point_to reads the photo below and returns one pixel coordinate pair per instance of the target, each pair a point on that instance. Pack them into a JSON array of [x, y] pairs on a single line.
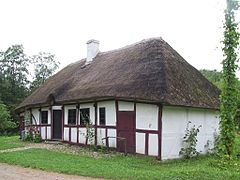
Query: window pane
[[84, 116], [102, 115], [72, 116], [44, 116]]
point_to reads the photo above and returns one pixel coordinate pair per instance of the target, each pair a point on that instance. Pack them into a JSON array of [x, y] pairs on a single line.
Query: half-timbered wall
[[147, 119], [109, 129], [35, 118], [159, 131]]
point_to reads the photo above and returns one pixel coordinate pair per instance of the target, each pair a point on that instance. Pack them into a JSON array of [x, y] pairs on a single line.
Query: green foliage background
[[16, 82], [228, 108]]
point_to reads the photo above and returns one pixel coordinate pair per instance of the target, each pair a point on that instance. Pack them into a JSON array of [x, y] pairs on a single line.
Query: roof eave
[[106, 98]]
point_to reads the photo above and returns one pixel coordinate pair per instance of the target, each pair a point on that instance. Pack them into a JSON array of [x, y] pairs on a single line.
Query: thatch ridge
[[150, 70]]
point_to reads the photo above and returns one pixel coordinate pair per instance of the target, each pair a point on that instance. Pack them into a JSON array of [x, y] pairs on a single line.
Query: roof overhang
[[107, 98]]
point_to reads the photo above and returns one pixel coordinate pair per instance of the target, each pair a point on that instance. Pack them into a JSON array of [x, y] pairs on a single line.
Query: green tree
[[14, 64], [238, 106], [44, 67], [229, 92], [13, 77], [6, 123], [14, 74], [216, 78], [213, 76]]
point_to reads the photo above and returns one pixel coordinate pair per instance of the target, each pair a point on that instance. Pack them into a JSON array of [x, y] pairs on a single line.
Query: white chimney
[[92, 49]]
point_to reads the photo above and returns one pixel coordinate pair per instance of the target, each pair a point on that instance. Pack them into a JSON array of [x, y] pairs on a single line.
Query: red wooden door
[[126, 130]]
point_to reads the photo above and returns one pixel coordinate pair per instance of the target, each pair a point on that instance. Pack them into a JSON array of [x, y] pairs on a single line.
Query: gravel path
[[10, 172], [15, 149], [61, 147]]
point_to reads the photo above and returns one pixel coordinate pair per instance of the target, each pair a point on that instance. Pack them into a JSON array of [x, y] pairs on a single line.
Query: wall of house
[[125, 106], [44, 129], [36, 115], [92, 111], [110, 126], [110, 112], [109, 129], [77, 134], [27, 117], [72, 131], [67, 130], [146, 116], [147, 129], [49, 114], [174, 123]]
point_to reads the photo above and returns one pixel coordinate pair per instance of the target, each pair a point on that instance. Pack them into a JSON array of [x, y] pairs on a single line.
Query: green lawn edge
[[10, 142], [120, 167]]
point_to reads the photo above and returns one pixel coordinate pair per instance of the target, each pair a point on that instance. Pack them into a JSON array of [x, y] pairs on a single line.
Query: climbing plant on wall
[[229, 92]]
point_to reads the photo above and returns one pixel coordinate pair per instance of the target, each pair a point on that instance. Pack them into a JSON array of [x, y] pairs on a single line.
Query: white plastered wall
[[146, 116], [147, 119], [49, 122], [153, 145], [87, 105], [110, 121], [43, 132], [36, 120], [140, 143], [49, 114], [110, 112], [91, 113], [82, 131], [66, 108], [112, 141], [82, 136], [125, 106], [174, 124], [48, 132], [66, 129], [101, 134], [35, 113], [56, 107], [74, 135], [66, 134]]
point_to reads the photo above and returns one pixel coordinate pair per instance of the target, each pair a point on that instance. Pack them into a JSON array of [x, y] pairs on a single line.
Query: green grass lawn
[[124, 167], [130, 167], [9, 142]]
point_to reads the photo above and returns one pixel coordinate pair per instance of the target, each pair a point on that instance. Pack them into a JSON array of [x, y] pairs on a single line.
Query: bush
[[37, 138], [33, 136], [211, 147], [190, 142], [6, 123]]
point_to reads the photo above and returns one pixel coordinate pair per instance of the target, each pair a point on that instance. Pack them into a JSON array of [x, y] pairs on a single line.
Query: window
[[72, 116], [102, 115], [44, 116], [84, 116]]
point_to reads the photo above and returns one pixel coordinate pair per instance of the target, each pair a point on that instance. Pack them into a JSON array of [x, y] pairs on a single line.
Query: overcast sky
[[62, 27]]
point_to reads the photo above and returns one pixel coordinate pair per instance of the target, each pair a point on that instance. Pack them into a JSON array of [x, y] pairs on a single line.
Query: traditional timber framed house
[[143, 93]]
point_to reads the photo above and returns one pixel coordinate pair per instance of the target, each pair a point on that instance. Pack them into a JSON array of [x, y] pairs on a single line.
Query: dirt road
[[9, 172]]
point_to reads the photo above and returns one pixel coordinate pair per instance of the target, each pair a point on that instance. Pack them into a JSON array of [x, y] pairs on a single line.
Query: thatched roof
[[150, 71]]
